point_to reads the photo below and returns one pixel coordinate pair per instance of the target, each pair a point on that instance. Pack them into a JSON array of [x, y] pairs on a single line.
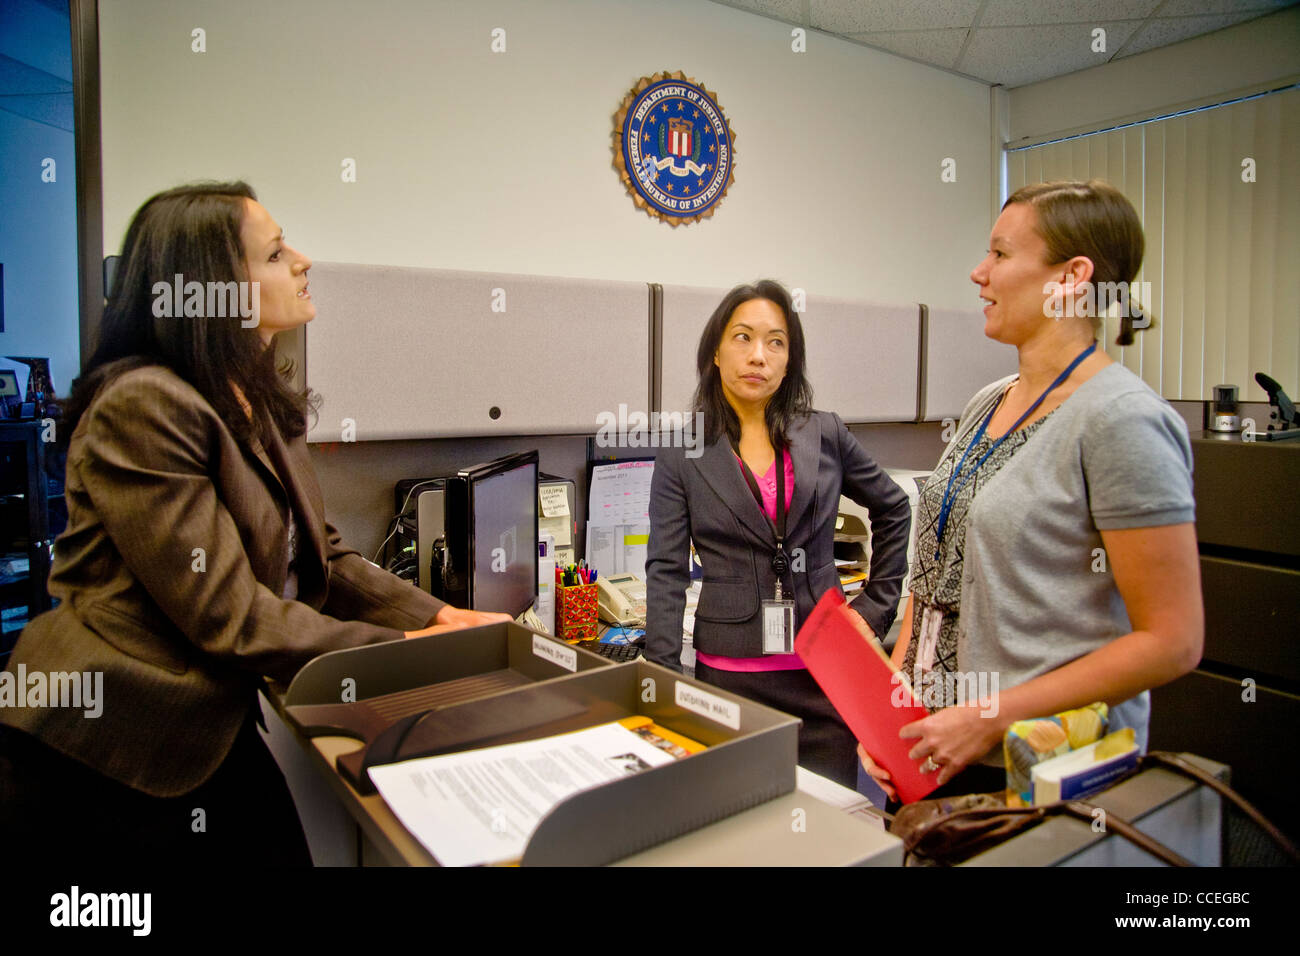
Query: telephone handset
[[621, 599]]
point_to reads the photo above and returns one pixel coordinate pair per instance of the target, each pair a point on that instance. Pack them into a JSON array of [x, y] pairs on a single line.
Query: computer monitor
[[490, 561]]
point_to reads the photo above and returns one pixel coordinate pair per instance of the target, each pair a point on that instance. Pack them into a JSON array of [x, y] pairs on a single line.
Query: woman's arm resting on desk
[[1157, 571], [455, 618]]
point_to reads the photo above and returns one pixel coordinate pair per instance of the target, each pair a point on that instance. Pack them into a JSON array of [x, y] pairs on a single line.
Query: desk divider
[[742, 767], [863, 358], [750, 756], [959, 360], [394, 666]]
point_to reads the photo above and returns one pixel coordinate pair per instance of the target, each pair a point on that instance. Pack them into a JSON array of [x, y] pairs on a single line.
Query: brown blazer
[[170, 575]]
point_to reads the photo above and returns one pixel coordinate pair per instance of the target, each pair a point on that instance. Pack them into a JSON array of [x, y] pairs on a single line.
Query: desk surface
[[794, 830], [1152, 800], [775, 834]]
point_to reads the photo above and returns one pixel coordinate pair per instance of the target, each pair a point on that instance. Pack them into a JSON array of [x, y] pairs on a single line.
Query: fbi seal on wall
[[673, 148]]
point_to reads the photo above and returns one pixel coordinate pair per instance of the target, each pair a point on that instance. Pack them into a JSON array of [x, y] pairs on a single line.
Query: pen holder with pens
[[575, 616]]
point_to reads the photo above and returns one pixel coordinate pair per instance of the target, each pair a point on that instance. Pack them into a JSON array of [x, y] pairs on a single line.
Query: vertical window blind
[[1218, 190]]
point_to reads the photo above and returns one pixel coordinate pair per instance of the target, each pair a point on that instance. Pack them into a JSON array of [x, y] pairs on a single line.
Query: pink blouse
[[767, 662]]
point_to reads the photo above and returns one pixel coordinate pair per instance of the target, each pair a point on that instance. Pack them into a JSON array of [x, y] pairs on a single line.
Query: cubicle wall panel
[[686, 311], [959, 360], [398, 352], [862, 358]]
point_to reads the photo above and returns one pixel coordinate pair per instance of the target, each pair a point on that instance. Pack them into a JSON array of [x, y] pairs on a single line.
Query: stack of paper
[[482, 806]]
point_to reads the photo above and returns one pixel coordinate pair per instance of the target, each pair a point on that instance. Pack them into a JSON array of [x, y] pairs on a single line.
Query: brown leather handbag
[[950, 830]]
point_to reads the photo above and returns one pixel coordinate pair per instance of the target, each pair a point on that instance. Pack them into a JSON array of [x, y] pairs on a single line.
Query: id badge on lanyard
[[778, 622], [927, 651]]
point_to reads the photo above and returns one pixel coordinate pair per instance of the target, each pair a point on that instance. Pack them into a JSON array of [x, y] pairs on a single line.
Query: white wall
[[1248, 58], [472, 160]]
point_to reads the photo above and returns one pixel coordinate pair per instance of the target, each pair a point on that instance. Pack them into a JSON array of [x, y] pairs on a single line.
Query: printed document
[[480, 807]]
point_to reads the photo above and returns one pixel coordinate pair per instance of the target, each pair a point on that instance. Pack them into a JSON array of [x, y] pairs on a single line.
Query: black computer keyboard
[[615, 652]]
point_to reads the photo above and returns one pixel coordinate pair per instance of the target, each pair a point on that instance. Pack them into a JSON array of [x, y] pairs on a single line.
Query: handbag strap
[[1116, 824], [1176, 763], [1035, 815]]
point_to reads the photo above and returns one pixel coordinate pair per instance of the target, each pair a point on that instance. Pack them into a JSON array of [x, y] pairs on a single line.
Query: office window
[[1217, 192]]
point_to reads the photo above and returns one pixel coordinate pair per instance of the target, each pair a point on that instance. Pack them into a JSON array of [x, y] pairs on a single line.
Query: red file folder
[[852, 669]]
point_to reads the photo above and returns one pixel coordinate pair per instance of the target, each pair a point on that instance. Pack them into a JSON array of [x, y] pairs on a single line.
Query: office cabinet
[[1242, 704], [30, 477]]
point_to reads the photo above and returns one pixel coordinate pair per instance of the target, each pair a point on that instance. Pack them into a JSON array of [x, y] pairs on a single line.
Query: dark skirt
[[826, 745], [56, 809]]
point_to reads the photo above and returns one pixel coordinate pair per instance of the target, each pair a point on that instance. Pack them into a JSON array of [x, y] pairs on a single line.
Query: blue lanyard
[[950, 493]]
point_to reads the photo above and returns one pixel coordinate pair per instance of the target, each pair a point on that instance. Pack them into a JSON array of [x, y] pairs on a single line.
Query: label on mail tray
[[708, 705], [565, 657]]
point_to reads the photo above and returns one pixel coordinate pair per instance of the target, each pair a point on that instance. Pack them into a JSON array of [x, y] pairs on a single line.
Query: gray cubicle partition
[[684, 311], [958, 360], [863, 358], [397, 352]]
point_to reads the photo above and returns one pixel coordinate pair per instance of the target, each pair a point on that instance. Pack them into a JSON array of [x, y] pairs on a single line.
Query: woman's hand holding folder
[[879, 774]]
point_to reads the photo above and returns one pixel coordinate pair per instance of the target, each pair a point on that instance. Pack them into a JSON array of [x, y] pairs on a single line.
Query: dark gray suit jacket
[[170, 575], [706, 500]]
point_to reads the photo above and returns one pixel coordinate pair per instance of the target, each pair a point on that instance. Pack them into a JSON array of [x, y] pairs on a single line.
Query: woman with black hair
[[197, 560], [760, 505]]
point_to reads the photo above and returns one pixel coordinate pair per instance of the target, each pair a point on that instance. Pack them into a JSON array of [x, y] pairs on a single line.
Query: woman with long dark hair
[[760, 505], [197, 560]]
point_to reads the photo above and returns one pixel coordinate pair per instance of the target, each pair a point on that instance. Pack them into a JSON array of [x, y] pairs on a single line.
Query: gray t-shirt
[[1037, 591], [938, 566]]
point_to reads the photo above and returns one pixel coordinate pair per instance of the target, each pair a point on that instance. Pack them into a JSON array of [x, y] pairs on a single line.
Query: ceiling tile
[[939, 47], [1162, 32], [1038, 12], [1014, 56], [791, 11], [1191, 8], [1016, 41], [856, 16]]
